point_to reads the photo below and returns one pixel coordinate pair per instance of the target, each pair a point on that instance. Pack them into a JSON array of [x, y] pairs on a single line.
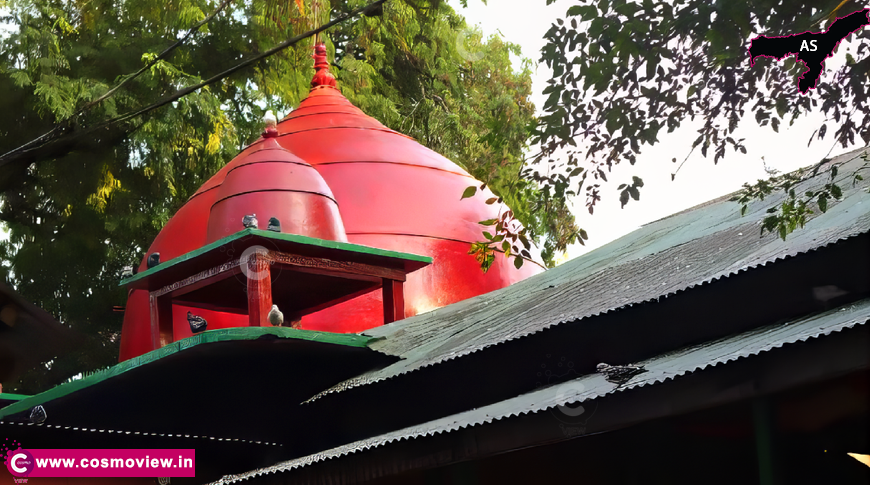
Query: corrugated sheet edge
[[419, 431], [363, 380]]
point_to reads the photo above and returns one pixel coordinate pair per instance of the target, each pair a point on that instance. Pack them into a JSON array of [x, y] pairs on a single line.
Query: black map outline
[[775, 45]]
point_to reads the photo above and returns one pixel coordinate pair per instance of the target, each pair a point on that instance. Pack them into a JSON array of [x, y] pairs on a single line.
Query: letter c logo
[[20, 463], [14, 462]]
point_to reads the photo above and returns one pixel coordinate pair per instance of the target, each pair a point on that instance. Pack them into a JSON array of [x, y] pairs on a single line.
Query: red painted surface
[[453, 276], [322, 76], [394, 301], [272, 182], [259, 293], [392, 193]]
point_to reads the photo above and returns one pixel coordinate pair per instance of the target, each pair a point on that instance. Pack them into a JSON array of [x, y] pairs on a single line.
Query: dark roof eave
[[586, 388], [179, 347]]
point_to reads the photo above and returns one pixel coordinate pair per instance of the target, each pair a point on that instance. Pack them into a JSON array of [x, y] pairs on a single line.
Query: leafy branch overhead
[[64, 133], [626, 72], [632, 190], [795, 209], [507, 235]]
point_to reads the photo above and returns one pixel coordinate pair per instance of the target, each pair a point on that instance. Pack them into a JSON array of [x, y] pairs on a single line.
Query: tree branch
[[65, 123], [22, 153]]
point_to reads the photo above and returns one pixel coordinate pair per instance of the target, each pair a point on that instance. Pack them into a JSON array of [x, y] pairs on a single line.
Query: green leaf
[[518, 262], [525, 241], [469, 192], [781, 107], [488, 222], [823, 203]]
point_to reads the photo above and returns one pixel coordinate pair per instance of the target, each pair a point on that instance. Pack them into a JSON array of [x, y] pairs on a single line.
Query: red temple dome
[[393, 193], [273, 182]]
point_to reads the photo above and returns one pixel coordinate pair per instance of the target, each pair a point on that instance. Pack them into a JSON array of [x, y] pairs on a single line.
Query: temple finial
[[270, 122], [322, 76]]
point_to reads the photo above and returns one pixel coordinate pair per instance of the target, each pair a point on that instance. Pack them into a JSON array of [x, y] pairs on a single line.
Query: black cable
[[108, 94], [21, 153]]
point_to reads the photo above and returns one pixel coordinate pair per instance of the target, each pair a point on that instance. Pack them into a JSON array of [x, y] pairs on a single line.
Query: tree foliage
[[77, 216], [624, 72]]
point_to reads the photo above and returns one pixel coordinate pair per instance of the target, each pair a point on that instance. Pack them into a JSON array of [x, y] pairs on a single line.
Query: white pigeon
[[276, 318]]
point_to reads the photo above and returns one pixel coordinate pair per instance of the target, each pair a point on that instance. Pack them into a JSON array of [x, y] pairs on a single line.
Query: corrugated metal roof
[[685, 250], [208, 337], [593, 386]]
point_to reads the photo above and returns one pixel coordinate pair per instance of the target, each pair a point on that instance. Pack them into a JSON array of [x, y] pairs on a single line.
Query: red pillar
[[394, 301], [259, 290], [161, 321]]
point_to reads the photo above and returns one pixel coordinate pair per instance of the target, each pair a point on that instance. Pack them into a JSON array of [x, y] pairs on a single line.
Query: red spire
[[322, 77]]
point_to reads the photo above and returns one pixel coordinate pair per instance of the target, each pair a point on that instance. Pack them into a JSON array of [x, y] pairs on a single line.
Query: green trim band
[[209, 336], [278, 236], [8, 396]]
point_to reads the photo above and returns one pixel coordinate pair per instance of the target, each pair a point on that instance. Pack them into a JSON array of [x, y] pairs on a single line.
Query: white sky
[[525, 22]]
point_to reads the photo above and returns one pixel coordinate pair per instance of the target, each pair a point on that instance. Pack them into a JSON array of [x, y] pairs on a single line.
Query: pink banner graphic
[[101, 463]]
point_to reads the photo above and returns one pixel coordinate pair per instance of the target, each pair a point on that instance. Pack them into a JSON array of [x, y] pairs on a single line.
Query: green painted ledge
[[8, 396], [209, 336], [278, 236]]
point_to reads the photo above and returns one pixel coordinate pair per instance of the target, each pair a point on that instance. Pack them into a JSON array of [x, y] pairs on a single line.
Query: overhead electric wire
[[127, 79], [20, 153]]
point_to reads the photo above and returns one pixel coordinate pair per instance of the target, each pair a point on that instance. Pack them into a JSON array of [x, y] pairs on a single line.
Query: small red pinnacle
[[322, 76]]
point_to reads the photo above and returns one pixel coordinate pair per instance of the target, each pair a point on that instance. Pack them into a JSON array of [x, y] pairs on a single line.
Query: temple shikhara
[[312, 316], [329, 172]]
